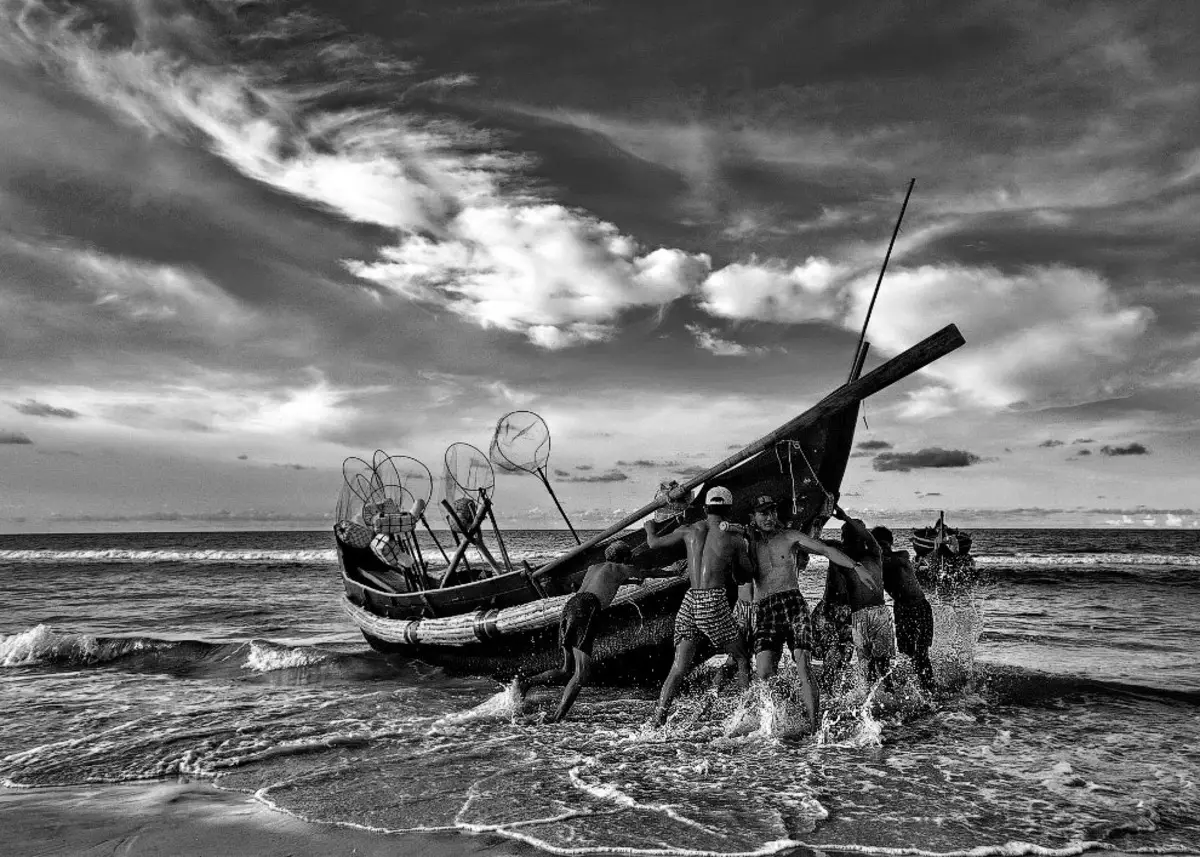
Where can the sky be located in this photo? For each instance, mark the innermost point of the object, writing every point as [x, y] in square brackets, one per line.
[241, 241]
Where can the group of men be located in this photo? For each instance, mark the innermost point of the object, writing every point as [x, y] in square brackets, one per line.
[763, 561]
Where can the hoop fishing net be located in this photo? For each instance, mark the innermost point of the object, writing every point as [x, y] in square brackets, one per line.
[359, 485]
[521, 443]
[466, 473]
[415, 476]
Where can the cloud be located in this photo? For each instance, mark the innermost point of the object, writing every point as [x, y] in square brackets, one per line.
[690, 470]
[1047, 444]
[1082, 440]
[932, 494]
[610, 476]
[295, 467]
[1128, 449]
[583, 467]
[561, 473]
[1083, 452]
[709, 340]
[14, 438]
[34, 408]
[774, 291]
[469, 235]
[1173, 521]
[933, 456]
[874, 444]
[559, 277]
[649, 462]
[243, 457]
[1042, 335]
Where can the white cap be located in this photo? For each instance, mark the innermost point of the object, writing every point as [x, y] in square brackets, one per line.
[718, 497]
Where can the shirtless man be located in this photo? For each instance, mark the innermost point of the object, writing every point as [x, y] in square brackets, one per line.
[870, 620]
[914, 616]
[712, 558]
[780, 612]
[577, 628]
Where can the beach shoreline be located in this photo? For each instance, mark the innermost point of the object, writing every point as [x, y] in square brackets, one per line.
[197, 819]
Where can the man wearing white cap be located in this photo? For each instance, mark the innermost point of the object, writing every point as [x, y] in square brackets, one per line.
[713, 556]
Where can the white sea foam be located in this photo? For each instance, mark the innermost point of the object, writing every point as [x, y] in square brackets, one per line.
[505, 704]
[268, 657]
[42, 645]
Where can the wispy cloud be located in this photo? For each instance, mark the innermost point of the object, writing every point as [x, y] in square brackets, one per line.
[873, 445]
[1050, 444]
[709, 340]
[933, 456]
[34, 408]
[1128, 449]
[608, 476]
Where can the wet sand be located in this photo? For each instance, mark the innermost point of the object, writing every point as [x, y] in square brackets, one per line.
[196, 820]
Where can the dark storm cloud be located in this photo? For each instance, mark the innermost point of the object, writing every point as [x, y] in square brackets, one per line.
[933, 456]
[690, 471]
[874, 445]
[1129, 449]
[14, 438]
[34, 408]
[610, 476]
[1048, 444]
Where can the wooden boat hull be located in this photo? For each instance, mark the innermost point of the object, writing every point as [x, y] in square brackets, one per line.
[633, 642]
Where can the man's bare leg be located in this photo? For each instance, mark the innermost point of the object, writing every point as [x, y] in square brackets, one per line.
[583, 668]
[766, 664]
[809, 693]
[737, 648]
[685, 653]
[549, 677]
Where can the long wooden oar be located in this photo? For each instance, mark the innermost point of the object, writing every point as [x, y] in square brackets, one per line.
[901, 366]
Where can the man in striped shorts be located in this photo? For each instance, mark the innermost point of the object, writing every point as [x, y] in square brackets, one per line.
[714, 556]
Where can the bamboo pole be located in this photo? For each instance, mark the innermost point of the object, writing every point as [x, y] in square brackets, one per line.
[901, 366]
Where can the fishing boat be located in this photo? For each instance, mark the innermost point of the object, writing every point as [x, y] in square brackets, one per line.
[507, 623]
[943, 555]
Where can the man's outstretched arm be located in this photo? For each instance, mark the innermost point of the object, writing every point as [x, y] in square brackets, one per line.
[654, 540]
[817, 546]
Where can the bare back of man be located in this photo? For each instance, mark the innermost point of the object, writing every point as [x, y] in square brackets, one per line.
[712, 556]
[872, 624]
[579, 623]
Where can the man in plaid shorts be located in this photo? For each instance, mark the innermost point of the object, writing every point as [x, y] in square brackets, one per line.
[780, 612]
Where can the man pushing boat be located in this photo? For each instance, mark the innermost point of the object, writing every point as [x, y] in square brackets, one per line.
[579, 623]
[715, 558]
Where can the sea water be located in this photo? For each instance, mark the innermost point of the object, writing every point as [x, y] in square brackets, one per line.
[1067, 719]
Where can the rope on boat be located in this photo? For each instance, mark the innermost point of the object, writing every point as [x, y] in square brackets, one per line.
[464, 629]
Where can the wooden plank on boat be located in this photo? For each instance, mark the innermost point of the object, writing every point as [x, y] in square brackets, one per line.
[899, 367]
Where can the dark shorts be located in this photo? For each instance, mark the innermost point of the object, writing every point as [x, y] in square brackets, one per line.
[914, 627]
[705, 613]
[782, 620]
[577, 627]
